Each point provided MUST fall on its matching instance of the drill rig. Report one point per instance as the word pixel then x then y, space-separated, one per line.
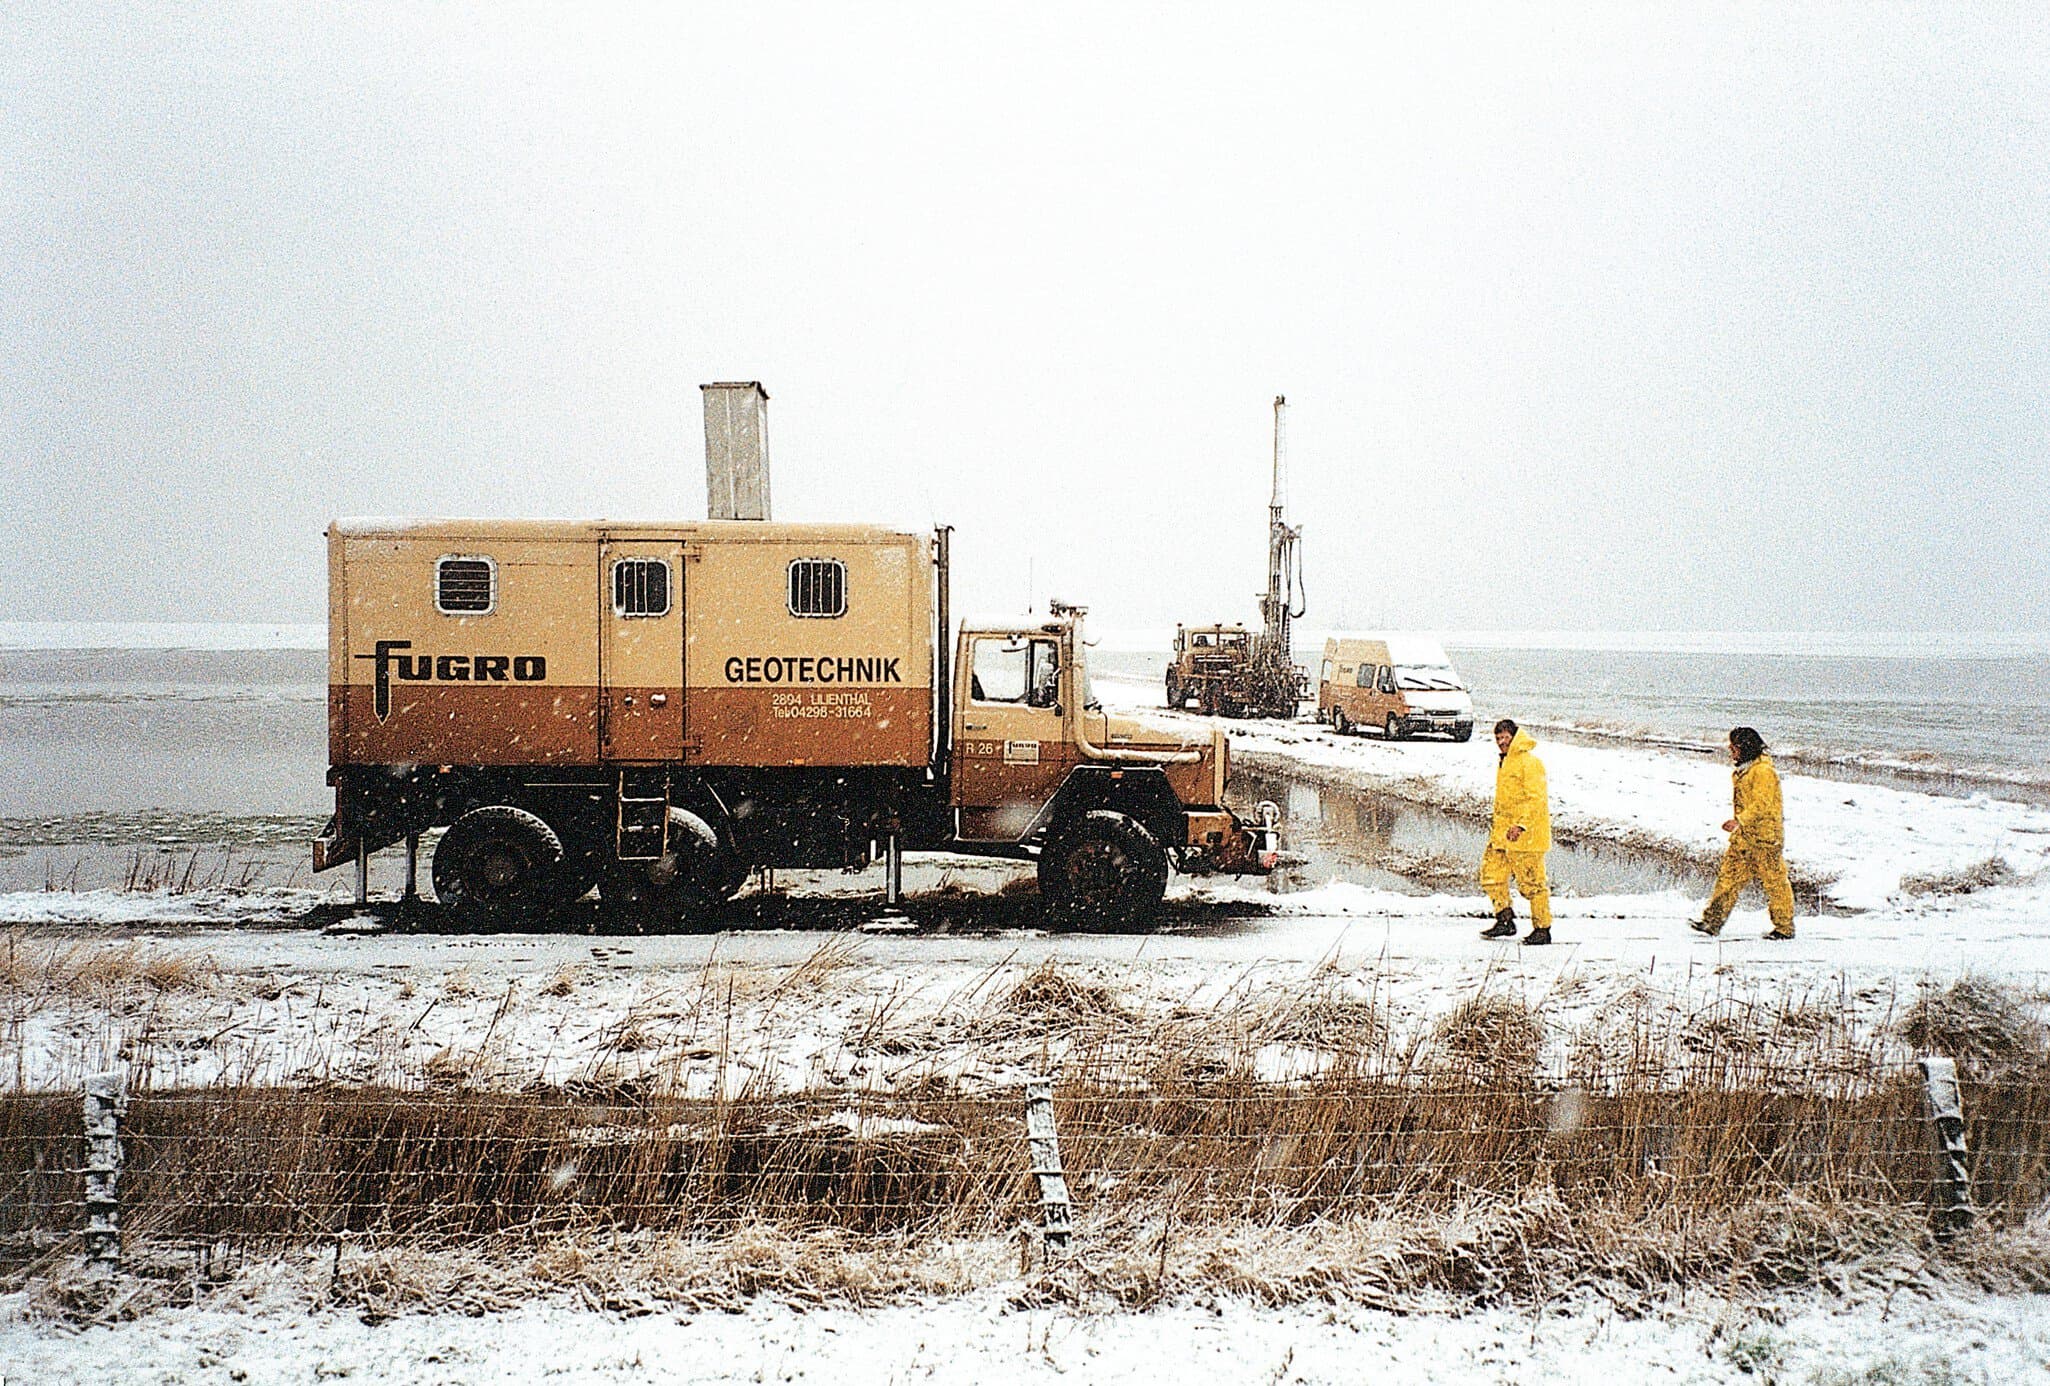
pixel 1230 671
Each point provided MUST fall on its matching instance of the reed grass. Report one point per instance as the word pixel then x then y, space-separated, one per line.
pixel 1283 1141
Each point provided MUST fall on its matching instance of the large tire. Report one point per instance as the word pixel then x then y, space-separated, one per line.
pixel 498 866
pixel 680 890
pixel 1464 733
pixel 1174 690
pixel 1103 869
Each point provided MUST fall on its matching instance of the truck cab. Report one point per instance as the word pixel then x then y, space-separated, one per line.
pixel 1208 668
pixel 1104 803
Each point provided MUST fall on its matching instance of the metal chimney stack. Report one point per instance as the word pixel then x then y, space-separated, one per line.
pixel 736 450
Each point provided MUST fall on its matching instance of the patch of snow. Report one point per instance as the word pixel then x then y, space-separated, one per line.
pixel 248 1334
pixel 1862 841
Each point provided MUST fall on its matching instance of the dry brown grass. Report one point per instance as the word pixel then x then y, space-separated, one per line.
pixel 97 971
pixel 1493 1030
pixel 452 1161
pixel 1976 1023
pixel 1052 996
pixel 181 871
pixel 1486 1251
pixel 1965 880
pixel 1280 1143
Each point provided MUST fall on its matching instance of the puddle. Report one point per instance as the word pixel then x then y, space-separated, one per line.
pixel 1387 843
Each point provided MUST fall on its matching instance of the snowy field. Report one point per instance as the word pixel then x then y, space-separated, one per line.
pixel 277 1334
pixel 198 986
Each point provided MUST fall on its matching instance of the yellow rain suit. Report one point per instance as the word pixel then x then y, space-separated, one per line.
pixel 1757 849
pixel 1520 802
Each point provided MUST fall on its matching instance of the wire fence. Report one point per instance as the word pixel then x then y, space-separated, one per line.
pixel 287 1166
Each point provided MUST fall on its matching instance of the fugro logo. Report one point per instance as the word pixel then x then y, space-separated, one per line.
pixel 447 668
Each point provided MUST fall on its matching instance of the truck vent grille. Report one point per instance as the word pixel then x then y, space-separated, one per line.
pixel 465 586
pixel 818 587
pixel 640 587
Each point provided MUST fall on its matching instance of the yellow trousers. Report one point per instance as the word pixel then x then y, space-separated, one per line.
pixel 1527 869
pixel 1742 864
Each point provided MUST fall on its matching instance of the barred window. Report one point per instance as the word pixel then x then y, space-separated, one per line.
pixel 640 587
pixel 465 586
pixel 818 587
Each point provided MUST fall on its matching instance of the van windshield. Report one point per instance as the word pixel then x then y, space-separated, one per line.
pixel 1425 677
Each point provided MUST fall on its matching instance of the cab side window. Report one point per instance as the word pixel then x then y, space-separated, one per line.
pixel 1015 671
pixel 1387 679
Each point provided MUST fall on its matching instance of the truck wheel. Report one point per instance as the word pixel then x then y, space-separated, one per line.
pixel 1340 723
pixel 681 889
pixel 1103 869
pixel 501 865
pixel 1174 690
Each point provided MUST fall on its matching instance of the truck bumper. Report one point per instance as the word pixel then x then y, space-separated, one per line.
pixel 1220 842
pixel 1425 724
pixel 333 847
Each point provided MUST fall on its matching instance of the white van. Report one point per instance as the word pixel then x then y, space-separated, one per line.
pixel 1401 685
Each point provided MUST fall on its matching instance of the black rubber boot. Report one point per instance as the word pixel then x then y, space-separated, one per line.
pixel 1538 936
pixel 1503 927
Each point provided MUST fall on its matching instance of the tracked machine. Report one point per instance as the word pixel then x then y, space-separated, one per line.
pixel 1229 671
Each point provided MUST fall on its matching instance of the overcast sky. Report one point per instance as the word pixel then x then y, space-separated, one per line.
pixel 1645 317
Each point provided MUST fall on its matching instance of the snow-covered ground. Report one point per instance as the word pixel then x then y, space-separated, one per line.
pixel 192 1004
pixel 1928 888
pixel 273 1335
pixel 1866 844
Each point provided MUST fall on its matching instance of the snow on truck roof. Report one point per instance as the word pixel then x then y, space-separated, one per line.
pixel 1403 647
pixel 427 527
pixel 1008 620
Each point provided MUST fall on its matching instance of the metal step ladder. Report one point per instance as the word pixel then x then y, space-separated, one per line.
pixel 643 828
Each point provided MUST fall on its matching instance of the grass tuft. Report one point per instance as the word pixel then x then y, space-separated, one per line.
pixel 1976 1023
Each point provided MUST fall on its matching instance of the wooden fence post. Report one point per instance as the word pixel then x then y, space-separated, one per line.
pixel 1944 1105
pixel 1045 1146
pixel 106 1101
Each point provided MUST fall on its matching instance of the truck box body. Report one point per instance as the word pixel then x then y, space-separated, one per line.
pixel 584 643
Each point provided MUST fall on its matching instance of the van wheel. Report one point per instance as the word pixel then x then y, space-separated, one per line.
pixel 681 889
pixel 499 865
pixel 1464 733
pixel 1105 869
pixel 1392 729
pixel 1340 723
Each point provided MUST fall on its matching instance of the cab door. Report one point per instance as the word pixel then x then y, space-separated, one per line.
pixel 1010 747
pixel 640 650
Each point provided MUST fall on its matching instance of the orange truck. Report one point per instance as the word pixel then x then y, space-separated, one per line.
pixel 656 709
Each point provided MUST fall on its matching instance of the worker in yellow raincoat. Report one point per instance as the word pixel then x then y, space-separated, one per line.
pixel 1757 849
pixel 1519 838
